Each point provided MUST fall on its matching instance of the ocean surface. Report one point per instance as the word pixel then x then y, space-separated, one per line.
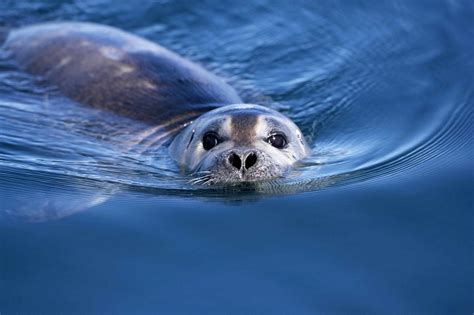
pixel 378 220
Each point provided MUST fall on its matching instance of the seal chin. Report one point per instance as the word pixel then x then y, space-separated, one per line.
pixel 236 166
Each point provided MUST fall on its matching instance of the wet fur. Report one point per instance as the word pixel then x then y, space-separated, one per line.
pixel 110 69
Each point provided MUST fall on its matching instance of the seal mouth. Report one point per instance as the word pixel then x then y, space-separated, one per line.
pixel 207 178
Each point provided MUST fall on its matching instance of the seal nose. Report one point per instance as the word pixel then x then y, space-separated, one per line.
pixel 250 160
pixel 235 161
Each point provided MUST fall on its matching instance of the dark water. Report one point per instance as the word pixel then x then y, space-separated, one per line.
pixel 378 220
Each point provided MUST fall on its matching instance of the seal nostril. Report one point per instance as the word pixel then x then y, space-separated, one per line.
pixel 250 160
pixel 235 161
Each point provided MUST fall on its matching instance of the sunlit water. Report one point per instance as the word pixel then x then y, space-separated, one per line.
pixel 376 220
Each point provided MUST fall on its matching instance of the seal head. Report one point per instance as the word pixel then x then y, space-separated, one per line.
pixel 239 143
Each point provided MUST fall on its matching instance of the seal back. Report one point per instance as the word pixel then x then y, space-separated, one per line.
pixel 107 68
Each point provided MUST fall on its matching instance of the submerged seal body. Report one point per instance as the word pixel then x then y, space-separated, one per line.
pixel 217 136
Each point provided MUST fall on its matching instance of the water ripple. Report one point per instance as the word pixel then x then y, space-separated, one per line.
pixel 376 97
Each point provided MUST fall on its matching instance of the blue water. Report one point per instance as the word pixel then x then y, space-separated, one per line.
pixel 378 220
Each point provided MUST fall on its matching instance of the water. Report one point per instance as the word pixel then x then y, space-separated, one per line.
pixel 378 220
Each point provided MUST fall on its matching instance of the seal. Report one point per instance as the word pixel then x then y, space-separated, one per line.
pixel 214 135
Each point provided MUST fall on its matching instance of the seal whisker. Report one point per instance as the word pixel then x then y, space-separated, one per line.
pixel 199 180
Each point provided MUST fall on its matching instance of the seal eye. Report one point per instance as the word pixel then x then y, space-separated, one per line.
pixel 277 140
pixel 209 141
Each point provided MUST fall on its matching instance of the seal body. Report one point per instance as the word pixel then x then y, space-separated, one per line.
pixel 107 68
pixel 218 138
